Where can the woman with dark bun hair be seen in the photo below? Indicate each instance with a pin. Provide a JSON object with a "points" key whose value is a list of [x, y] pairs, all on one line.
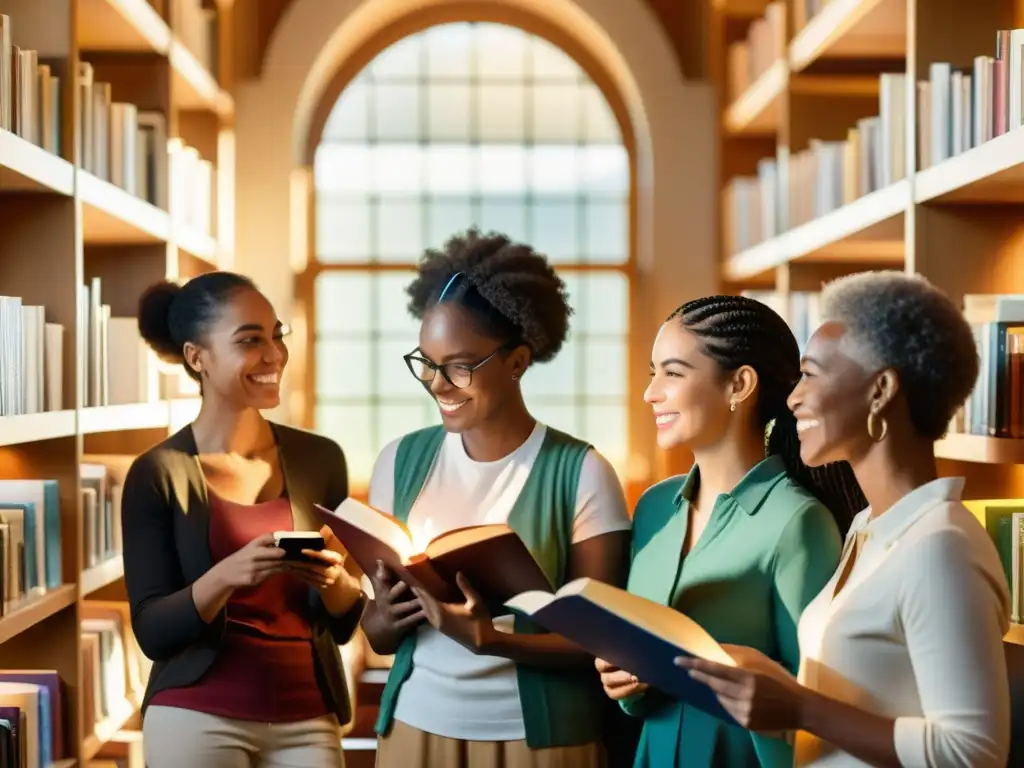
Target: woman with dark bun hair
{"points": [[244, 642], [902, 650], [469, 689], [745, 540]]}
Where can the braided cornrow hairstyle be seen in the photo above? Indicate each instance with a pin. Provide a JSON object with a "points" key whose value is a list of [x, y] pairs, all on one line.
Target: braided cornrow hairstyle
{"points": [[737, 331], [510, 290]]}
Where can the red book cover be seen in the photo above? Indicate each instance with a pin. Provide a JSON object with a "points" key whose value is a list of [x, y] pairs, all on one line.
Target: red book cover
{"points": [[492, 558]]}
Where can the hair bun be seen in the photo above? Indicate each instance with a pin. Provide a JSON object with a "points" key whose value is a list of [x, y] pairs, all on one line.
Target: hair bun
{"points": [[154, 320]]}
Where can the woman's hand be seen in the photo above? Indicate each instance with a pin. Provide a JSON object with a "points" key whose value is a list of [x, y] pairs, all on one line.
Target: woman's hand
{"points": [[397, 609], [252, 564], [468, 623], [758, 692], [617, 683], [325, 570]]}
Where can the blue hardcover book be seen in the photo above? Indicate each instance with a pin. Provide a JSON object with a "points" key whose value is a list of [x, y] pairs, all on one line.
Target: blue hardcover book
{"points": [[631, 632]]}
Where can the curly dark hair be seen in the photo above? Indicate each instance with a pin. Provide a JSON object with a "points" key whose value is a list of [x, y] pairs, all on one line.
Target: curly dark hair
{"points": [[905, 323], [171, 315], [736, 331], [509, 289]]}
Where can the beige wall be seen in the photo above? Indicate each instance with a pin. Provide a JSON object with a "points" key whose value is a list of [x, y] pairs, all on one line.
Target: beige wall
{"points": [[672, 120]]}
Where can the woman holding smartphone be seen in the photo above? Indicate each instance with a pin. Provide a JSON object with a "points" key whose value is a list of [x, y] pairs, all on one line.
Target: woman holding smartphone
{"points": [[244, 640], [746, 539], [468, 689]]}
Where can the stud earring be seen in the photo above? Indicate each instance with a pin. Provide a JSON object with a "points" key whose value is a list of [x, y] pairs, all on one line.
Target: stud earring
{"points": [[515, 377]]}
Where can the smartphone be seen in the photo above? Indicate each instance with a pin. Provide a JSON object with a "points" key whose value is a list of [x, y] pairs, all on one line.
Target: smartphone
{"points": [[293, 542]]}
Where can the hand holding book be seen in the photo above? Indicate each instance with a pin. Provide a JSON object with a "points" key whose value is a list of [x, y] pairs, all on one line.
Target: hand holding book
{"points": [[757, 692], [397, 608], [493, 557], [618, 684], [630, 633], [468, 623]]}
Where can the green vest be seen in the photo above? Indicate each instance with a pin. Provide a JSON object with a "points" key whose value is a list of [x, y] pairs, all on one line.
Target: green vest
{"points": [[559, 708]]}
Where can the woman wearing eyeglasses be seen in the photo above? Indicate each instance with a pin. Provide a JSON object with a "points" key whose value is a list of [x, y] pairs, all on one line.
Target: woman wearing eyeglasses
{"points": [[468, 689]]}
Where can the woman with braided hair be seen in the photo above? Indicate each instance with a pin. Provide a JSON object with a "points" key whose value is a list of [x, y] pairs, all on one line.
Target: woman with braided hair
{"points": [[468, 689], [748, 537]]}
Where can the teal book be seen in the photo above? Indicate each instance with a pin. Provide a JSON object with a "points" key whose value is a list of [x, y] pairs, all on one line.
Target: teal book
{"points": [[45, 496]]}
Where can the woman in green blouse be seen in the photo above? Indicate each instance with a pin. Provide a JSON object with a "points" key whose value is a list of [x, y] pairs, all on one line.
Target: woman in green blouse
{"points": [[746, 539]]}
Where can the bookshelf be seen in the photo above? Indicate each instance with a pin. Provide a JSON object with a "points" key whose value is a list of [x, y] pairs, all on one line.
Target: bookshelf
{"points": [[854, 165], [116, 170]]}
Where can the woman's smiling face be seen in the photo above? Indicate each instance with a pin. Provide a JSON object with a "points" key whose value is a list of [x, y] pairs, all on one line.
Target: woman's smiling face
{"points": [[832, 400], [449, 336]]}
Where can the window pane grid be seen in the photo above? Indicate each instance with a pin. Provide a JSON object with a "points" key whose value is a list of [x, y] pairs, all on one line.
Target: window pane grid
{"points": [[468, 125]]}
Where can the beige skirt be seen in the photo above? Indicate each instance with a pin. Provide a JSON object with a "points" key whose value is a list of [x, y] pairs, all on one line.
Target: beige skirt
{"points": [[408, 747]]}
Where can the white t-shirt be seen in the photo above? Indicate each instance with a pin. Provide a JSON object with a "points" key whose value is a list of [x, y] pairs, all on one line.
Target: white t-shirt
{"points": [[451, 691]]}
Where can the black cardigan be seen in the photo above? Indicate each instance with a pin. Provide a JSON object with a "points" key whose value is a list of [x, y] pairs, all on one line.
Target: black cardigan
{"points": [[165, 519]]}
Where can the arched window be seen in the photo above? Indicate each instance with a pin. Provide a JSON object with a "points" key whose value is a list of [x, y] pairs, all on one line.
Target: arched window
{"points": [[459, 125]]}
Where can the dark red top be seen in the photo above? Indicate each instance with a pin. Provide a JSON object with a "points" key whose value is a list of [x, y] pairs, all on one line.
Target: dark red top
{"points": [[264, 670]]}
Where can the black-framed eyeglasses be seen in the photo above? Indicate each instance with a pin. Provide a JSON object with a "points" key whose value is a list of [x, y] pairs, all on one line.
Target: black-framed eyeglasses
{"points": [[459, 375]]}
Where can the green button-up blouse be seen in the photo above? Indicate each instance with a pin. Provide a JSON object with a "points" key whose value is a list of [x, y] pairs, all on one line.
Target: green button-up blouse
{"points": [[768, 549]]}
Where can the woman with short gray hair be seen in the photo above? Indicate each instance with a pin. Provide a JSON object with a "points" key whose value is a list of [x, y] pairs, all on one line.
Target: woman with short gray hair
{"points": [[902, 661]]}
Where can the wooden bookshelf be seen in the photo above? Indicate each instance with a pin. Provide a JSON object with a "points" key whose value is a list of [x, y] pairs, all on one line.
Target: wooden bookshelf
{"points": [[757, 110], [66, 224], [852, 29], [26, 167], [867, 231], [990, 173], [979, 449]]}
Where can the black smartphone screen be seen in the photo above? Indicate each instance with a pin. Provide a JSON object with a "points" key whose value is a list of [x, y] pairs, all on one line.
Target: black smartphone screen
{"points": [[293, 542]]}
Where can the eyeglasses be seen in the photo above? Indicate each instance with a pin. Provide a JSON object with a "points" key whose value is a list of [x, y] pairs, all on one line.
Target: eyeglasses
{"points": [[459, 375]]}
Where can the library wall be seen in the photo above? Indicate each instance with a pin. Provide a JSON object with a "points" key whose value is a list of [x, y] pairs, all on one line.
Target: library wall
{"points": [[111, 178], [671, 120]]}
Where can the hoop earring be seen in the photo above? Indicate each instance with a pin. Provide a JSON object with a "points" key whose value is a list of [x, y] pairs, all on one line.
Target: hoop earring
{"points": [[515, 377], [732, 405], [871, 427]]}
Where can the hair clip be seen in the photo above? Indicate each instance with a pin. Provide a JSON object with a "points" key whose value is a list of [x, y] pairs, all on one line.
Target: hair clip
{"points": [[447, 286]]}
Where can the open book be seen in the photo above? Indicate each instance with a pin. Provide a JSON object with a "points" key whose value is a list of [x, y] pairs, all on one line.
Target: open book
{"points": [[631, 632], [493, 558]]}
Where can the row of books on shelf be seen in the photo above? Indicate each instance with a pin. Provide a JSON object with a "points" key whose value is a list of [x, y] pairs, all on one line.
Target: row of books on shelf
{"points": [[31, 359], [1004, 521], [116, 141], [29, 93], [130, 148], [35, 730], [764, 45], [30, 527], [30, 540], [794, 188], [120, 143], [962, 109], [101, 478], [119, 368], [996, 406], [956, 111]]}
